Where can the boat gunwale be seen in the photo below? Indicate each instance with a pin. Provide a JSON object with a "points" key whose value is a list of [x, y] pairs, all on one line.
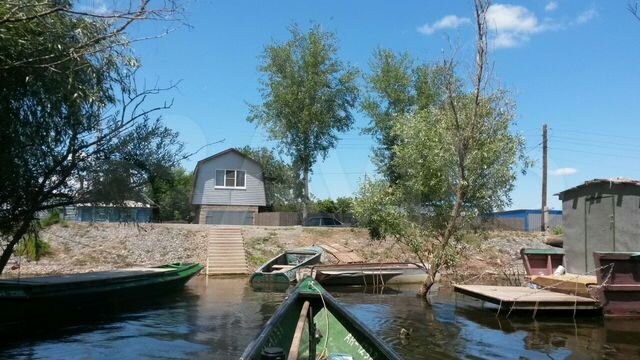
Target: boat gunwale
{"points": [[60, 289], [332, 305], [261, 269]]}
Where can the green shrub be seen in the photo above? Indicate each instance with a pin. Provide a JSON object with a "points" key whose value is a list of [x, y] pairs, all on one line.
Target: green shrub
{"points": [[51, 219], [32, 247], [557, 230]]}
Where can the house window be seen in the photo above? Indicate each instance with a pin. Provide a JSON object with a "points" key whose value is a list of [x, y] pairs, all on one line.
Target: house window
{"points": [[231, 179]]}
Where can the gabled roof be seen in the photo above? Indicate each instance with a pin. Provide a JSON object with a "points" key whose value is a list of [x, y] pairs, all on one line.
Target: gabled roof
{"points": [[224, 152], [610, 182]]}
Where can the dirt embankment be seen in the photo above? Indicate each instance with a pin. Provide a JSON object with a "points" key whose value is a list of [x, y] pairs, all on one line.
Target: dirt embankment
{"points": [[80, 247]]}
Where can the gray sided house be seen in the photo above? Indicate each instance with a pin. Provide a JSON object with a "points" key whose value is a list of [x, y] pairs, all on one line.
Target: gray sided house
{"points": [[599, 215], [228, 189]]}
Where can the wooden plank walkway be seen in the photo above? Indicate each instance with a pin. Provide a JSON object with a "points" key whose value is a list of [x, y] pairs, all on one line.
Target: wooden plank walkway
{"points": [[343, 254], [524, 298]]}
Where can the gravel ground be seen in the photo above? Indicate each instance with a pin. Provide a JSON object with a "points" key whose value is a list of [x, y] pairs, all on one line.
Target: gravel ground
{"points": [[81, 247]]}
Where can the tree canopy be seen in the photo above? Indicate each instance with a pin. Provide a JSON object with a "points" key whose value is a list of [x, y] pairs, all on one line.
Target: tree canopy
{"points": [[308, 97], [395, 87], [72, 119], [455, 159]]}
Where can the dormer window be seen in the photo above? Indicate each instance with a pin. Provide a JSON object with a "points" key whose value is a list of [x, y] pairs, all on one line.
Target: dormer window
{"points": [[231, 179]]}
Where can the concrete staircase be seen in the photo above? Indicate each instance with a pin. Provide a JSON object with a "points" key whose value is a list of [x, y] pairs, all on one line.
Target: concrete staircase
{"points": [[225, 252]]}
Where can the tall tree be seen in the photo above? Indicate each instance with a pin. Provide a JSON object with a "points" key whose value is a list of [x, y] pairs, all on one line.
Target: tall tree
{"points": [[70, 110], [456, 160], [308, 96], [172, 194], [396, 86], [282, 182]]}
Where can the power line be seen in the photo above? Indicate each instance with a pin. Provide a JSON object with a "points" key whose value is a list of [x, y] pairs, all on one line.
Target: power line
{"points": [[596, 153]]}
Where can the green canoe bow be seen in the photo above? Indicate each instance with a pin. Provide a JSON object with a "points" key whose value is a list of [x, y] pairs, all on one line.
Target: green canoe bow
{"points": [[311, 324]]}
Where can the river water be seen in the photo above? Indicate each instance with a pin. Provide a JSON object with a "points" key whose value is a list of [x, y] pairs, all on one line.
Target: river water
{"points": [[217, 318]]}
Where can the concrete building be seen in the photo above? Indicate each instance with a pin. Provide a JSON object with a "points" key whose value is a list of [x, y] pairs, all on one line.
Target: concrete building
{"points": [[599, 215], [228, 189]]}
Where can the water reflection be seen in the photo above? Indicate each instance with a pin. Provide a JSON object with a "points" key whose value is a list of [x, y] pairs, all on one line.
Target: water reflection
{"points": [[217, 318]]}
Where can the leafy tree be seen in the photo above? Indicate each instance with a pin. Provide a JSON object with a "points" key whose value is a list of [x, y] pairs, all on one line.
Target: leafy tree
{"points": [[71, 116], [172, 194], [326, 206], [282, 183], [456, 160], [344, 205], [308, 97], [396, 86]]}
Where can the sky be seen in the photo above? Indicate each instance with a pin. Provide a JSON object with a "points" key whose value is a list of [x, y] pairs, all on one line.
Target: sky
{"points": [[570, 64]]}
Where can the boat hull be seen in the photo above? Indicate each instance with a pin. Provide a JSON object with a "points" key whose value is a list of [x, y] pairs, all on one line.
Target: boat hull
{"points": [[618, 276], [265, 273], [541, 261], [36, 298], [328, 329], [366, 274]]}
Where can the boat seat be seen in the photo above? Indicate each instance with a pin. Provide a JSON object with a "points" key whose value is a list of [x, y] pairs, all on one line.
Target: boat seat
{"points": [[297, 335], [282, 268]]}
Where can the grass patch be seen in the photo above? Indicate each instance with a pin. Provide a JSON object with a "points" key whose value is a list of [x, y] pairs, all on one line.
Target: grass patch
{"points": [[32, 247]]}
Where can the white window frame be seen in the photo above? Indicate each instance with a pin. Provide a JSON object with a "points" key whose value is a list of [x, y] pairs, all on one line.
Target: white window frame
{"points": [[235, 171]]}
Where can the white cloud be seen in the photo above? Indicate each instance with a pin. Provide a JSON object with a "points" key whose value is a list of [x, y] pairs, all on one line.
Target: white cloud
{"points": [[97, 7], [586, 16], [447, 22], [551, 6], [513, 24], [564, 171]]}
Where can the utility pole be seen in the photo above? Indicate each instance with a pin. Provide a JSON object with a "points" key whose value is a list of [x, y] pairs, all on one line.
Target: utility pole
{"points": [[544, 209]]}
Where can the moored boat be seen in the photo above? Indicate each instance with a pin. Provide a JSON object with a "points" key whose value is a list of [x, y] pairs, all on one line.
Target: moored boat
{"points": [[369, 274], [283, 268], [618, 283], [311, 324], [34, 297]]}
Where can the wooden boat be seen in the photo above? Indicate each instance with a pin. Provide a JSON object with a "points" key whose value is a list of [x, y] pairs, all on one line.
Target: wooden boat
{"points": [[283, 268], [369, 274], [311, 324], [50, 295], [541, 261], [618, 283]]}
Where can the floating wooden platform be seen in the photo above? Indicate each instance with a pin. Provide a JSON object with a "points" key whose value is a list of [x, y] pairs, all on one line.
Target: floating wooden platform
{"points": [[524, 298], [343, 254], [568, 284]]}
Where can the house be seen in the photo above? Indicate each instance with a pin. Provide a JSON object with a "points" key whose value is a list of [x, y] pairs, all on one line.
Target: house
{"points": [[228, 189], [127, 211], [529, 220], [599, 215]]}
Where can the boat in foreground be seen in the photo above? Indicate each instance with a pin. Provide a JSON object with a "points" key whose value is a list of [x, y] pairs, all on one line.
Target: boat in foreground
{"points": [[311, 324], [283, 268], [34, 297], [369, 274]]}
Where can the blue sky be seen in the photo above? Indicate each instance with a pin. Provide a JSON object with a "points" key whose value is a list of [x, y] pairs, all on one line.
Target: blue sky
{"points": [[571, 64]]}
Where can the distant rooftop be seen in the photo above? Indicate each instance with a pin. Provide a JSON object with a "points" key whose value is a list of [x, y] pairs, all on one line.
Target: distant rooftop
{"points": [[611, 182]]}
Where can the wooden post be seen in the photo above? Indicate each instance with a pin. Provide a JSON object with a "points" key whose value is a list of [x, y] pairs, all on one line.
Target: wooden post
{"points": [[543, 214]]}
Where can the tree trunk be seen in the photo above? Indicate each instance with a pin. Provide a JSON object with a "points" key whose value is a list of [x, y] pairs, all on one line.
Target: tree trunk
{"points": [[305, 196], [8, 250], [426, 286]]}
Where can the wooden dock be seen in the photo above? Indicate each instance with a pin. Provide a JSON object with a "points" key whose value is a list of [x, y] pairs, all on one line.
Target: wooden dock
{"points": [[524, 298], [343, 254]]}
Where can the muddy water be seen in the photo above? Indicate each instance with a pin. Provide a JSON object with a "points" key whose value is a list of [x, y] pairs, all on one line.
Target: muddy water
{"points": [[216, 319]]}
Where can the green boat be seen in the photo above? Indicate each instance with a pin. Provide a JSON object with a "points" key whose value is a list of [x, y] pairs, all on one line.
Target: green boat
{"points": [[36, 297], [311, 324], [284, 267]]}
